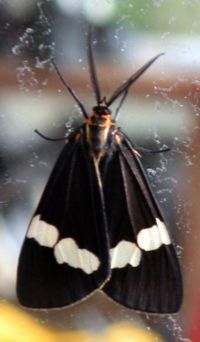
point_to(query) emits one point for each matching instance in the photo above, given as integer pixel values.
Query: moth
(98, 225)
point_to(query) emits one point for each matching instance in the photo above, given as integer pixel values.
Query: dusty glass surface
(162, 109)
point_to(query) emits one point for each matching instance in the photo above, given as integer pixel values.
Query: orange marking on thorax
(108, 122)
(103, 116)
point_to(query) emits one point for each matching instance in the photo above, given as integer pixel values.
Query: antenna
(120, 104)
(125, 86)
(70, 90)
(92, 68)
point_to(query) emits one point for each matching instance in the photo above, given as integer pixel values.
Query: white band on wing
(45, 234)
(124, 253)
(150, 239)
(67, 251)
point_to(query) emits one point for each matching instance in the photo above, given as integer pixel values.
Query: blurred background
(162, 109)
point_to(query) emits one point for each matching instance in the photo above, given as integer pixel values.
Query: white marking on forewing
(150, 239)
(124, 253)
(67, 251)
(163, 232)
(45, 234)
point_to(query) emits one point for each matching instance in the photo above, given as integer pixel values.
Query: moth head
(101, 110)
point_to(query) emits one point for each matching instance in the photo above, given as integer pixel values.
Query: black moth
(97, 225)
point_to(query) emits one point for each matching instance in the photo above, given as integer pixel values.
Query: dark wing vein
(155, 285)
(72, 203)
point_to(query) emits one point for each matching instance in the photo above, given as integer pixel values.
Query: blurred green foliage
(175, 16)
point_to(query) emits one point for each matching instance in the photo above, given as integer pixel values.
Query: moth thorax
(97, 138)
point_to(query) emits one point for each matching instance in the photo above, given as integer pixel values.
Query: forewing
(64, 257)
(145, 270)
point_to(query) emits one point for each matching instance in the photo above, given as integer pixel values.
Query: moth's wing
(145, 270)
(65, 256)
